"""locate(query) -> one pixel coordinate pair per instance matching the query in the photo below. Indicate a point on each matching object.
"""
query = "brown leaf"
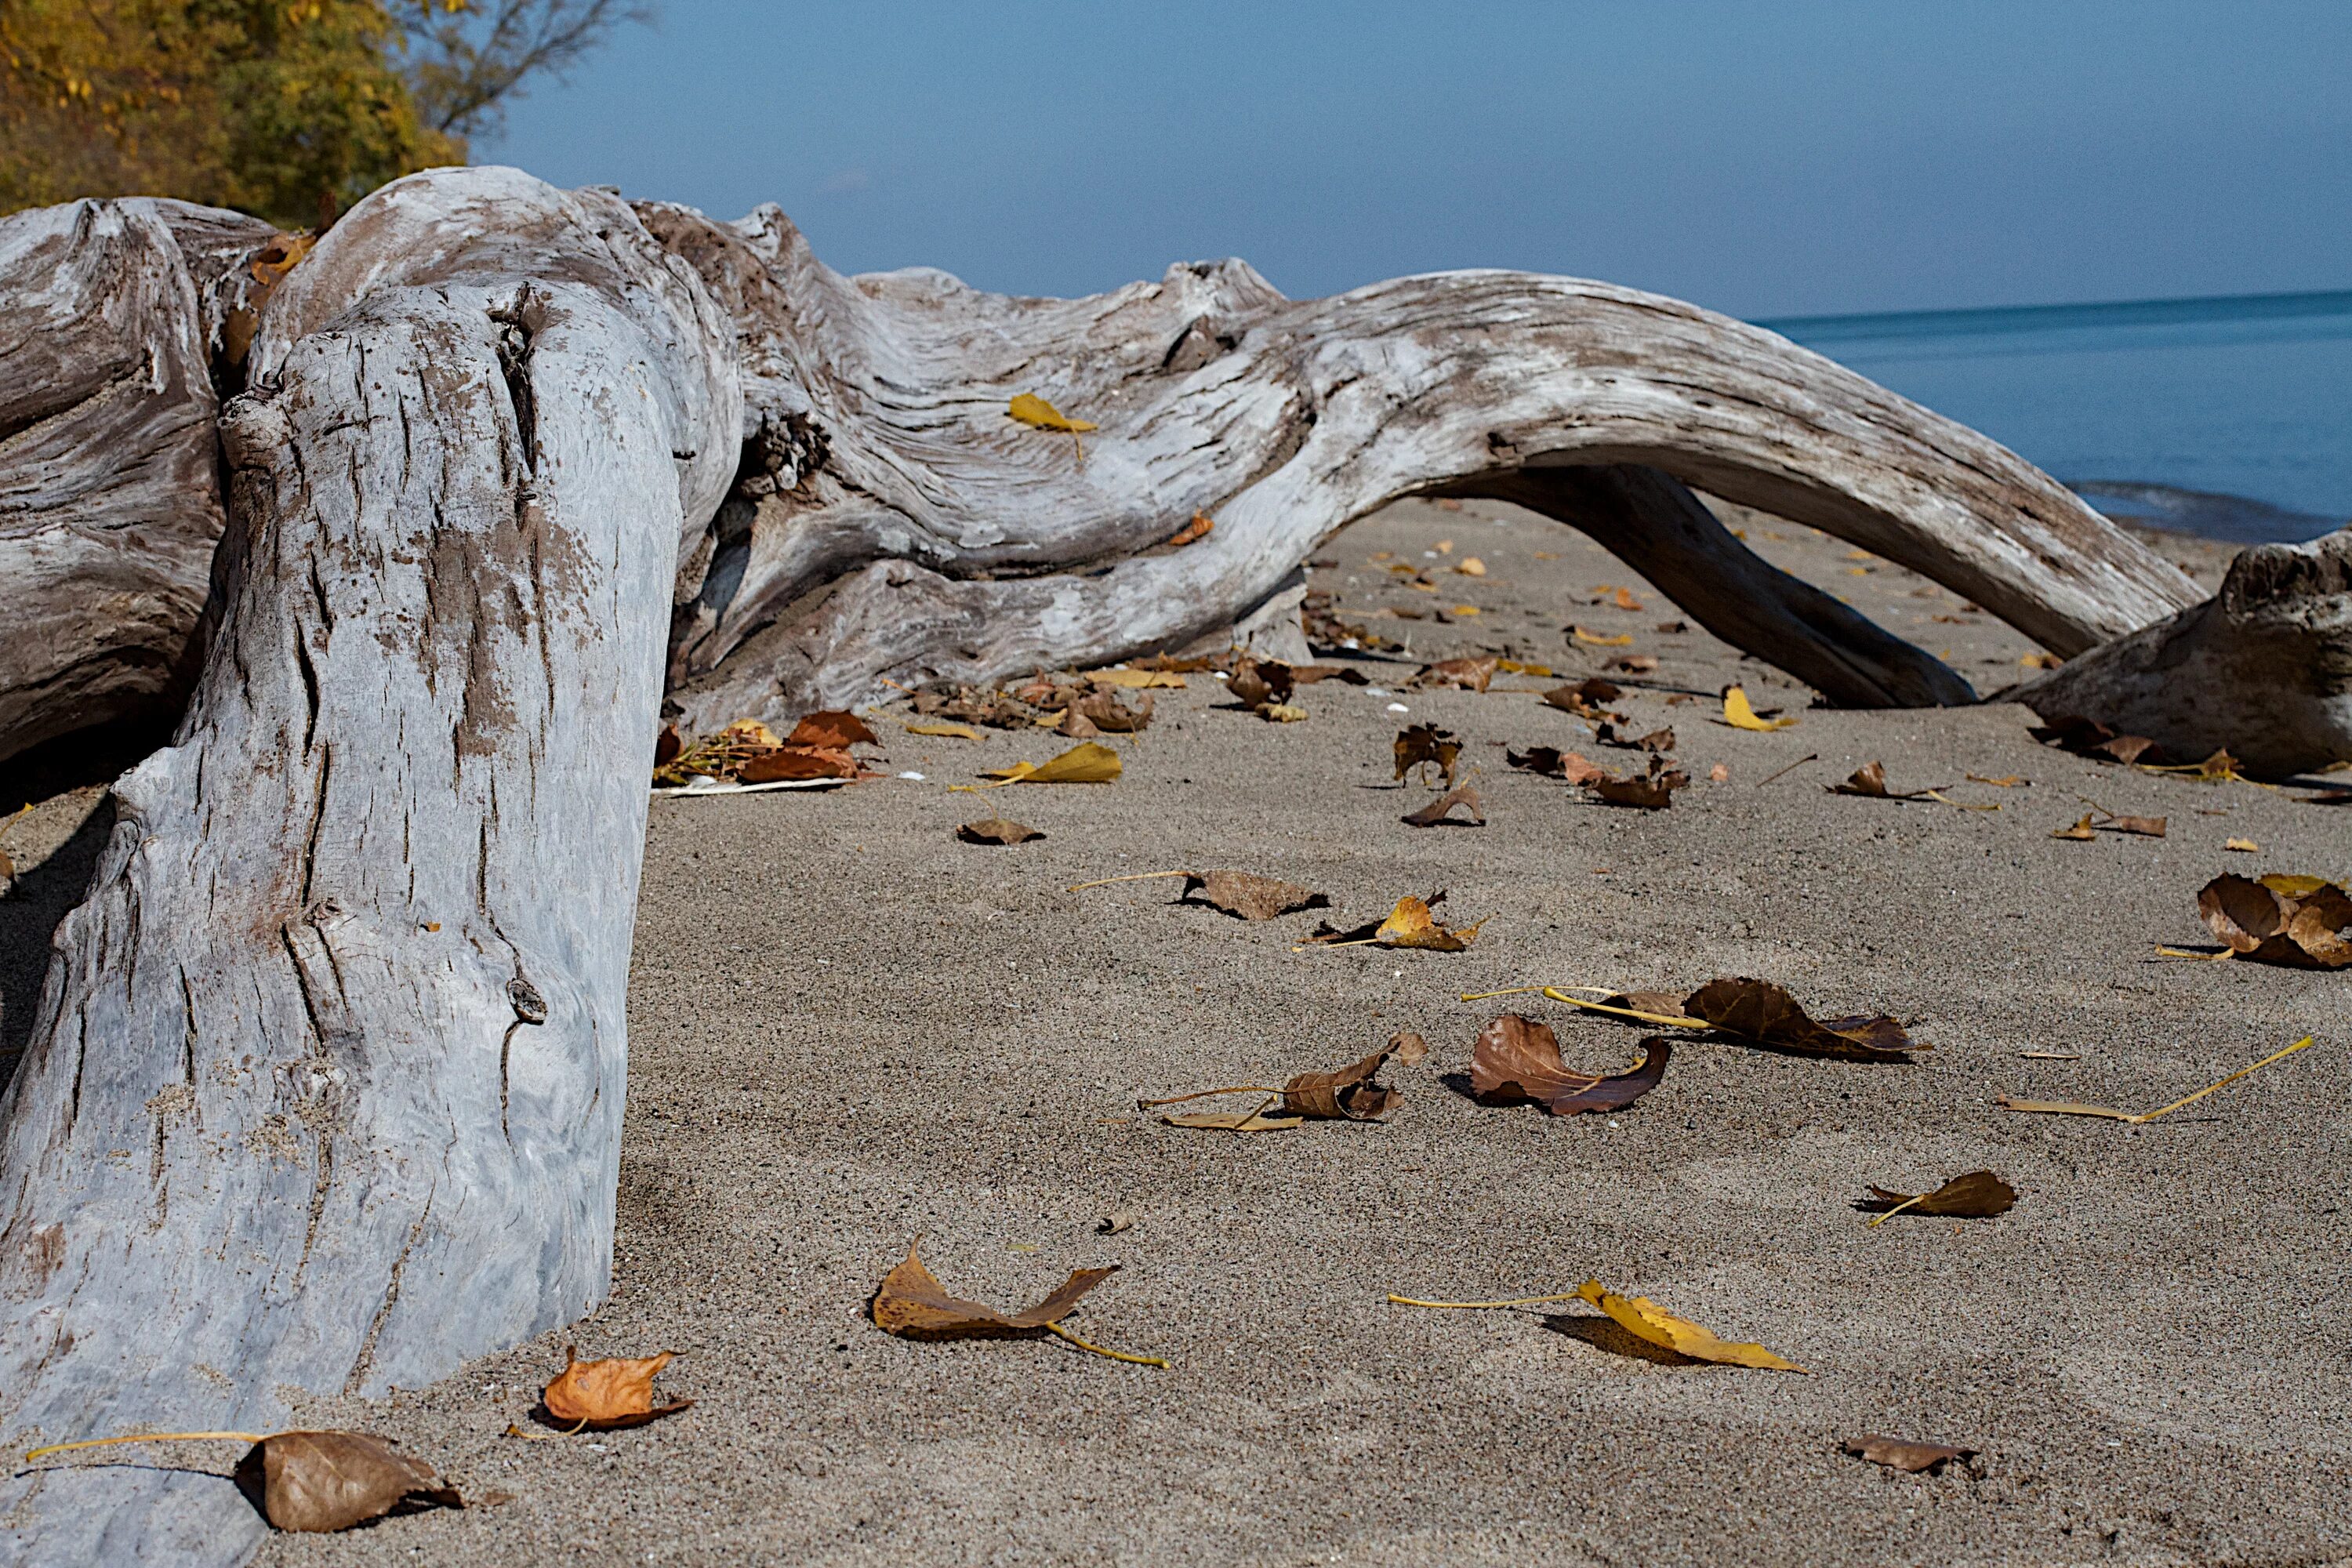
(1516, 1061)
(1663, 1003)
(1656, 741)
(2144, 826)
(1465, 674)
(1718, 774)
(957, 732)
(2301, 922)
(1902, 1454)
(1085, 763)
(1433, 814)
(996, 830)
(1427, 746)
(798, 762)
(1635, 663)
(1253, 898)
(1197, 529)
(604, 1394)
(1352, 1093)
(1585, 698)
(1654, 793)
(831, 730)
(666, 745)
(1980, 1194)
(1760, 1010)
(914, 1305)
(2088, 737)
(1308, 674)
(333, 1481)
(1559, 764)
(973, 707)
(1258, 682)
(2081, 832)
(1075, 725)
(1623, 599)
(1870, 779)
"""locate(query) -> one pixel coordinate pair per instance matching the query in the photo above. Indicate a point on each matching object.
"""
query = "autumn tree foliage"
(289, 111)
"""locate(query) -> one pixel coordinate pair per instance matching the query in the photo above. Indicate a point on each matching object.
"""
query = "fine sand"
(849, 1030)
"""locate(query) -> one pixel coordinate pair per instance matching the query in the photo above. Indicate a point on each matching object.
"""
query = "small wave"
(2235, 520)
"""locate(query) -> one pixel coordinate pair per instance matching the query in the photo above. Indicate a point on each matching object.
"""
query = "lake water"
(2229, 417)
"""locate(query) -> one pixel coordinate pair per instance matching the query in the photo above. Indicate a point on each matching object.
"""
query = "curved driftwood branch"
(892, 522)
(2263, 669)
(326, 1090)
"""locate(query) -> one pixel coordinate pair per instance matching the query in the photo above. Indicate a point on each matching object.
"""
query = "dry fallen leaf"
(1197, 529)
(1623, 599)
(1466, 674)
(2081, 832)
(1087, 764)
(2088, 737)
(798, 762)
(1471, 566)
(1980, 1194)
(1569, 765)
(1585, 699)
(996, 830)
(1352, 1093)
(1600, 639)
(1718, 774)
(1653, 791)
(1434, 814)
(2242, 845)
(1646, 1319)
(914, 1305)
(831, 730)
(1760, 1010)
(1258, 683)
(1740, 715)
(1279, 712)
(604, 1394)
(2144, 826)
(1656, 741)
(1427, 746)
(1635, 663)
(1136, 678)
(2007, 781)
(332, 1480)
(957, 732)
(1517, 1061)
(1031, 409)
(1251, 897)
(2303, 921)
(1411, 924)
(1902, 1454)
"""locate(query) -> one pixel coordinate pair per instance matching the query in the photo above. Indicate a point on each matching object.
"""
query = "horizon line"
(2022, 317)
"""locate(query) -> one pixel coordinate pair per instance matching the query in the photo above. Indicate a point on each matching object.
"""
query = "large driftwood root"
(350, 989)
(891, 524)
(2263, 669)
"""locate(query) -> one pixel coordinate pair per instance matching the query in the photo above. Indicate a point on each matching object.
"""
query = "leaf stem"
(1456, 1306)
(1668, 1020)
(1205, 1093)
(141, 1437)
(1506, 991)
(1139, 877)
(1062, 1333)
(1792, 767)
(514, 1429)
(1898, 1208)
(2191, 1099)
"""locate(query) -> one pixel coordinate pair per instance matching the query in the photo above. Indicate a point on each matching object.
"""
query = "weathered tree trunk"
(326, 1090)
(110, 494)
(2263, 669)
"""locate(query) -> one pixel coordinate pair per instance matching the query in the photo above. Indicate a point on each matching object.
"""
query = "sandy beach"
(849, 1030)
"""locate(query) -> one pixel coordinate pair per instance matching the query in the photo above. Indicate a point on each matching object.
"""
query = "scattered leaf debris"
(2304, 922)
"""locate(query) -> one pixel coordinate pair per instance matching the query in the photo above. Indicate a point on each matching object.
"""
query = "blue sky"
(1766, 158)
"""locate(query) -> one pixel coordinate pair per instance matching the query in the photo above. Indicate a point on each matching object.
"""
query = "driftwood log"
(325, 1089)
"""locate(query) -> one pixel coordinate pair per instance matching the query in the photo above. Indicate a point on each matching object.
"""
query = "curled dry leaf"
(1599, 639)
(1471, 566)
(1516, 1061)
(2089, 738)
(1279, 712)
(1352, 1093)
(1137, 677)
(1623, 599)
(1426, 745)
(913, 1304)
(1086, 764)
(320, 1481)
(831, 730)
(1464, 674)
(1586, 699)
(1635, 663)
(1646, 1319)
(604, 1394)
(966, 703)
(1257, 683)
(798, 762)
(2144, 826)
(1905, 1455)
(666, 745)
(1980, 1194)
(1740, 714)
(1105, 712)
(1462, 797)
(954, 732)
(2303, 921)
(1718, 774)
(1608, 734)
(1559, 764)
(1653, 791)
(1198, 528)
(1411, 924)
(1251, 897)
(2241, 846)
(1033, 410)
(1760, 1011)
(2082, 832)
(996, 830)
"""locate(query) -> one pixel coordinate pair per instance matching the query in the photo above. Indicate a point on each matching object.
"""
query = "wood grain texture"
(2263, 669)
(326, 1090)
(110, 504)
(892, 522)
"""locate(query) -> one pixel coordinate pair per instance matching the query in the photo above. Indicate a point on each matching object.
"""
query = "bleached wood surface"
(326, 1090)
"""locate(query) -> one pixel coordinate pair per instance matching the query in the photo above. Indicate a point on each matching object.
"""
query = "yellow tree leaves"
(1740, 714)
(1646, 1319)
(1084, 763)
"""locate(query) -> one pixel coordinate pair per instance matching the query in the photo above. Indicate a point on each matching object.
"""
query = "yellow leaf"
(1471, 566)
(1135, 679)
(1281, 714)
(1031, 409)
(1646, 1319)
(1512, 667)
(1465, 609)
(961, 732)
(1740, 715)
(2246, 845)
(1411, 924)
(1083, 764)
(2040, 660)
(1622, 639)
